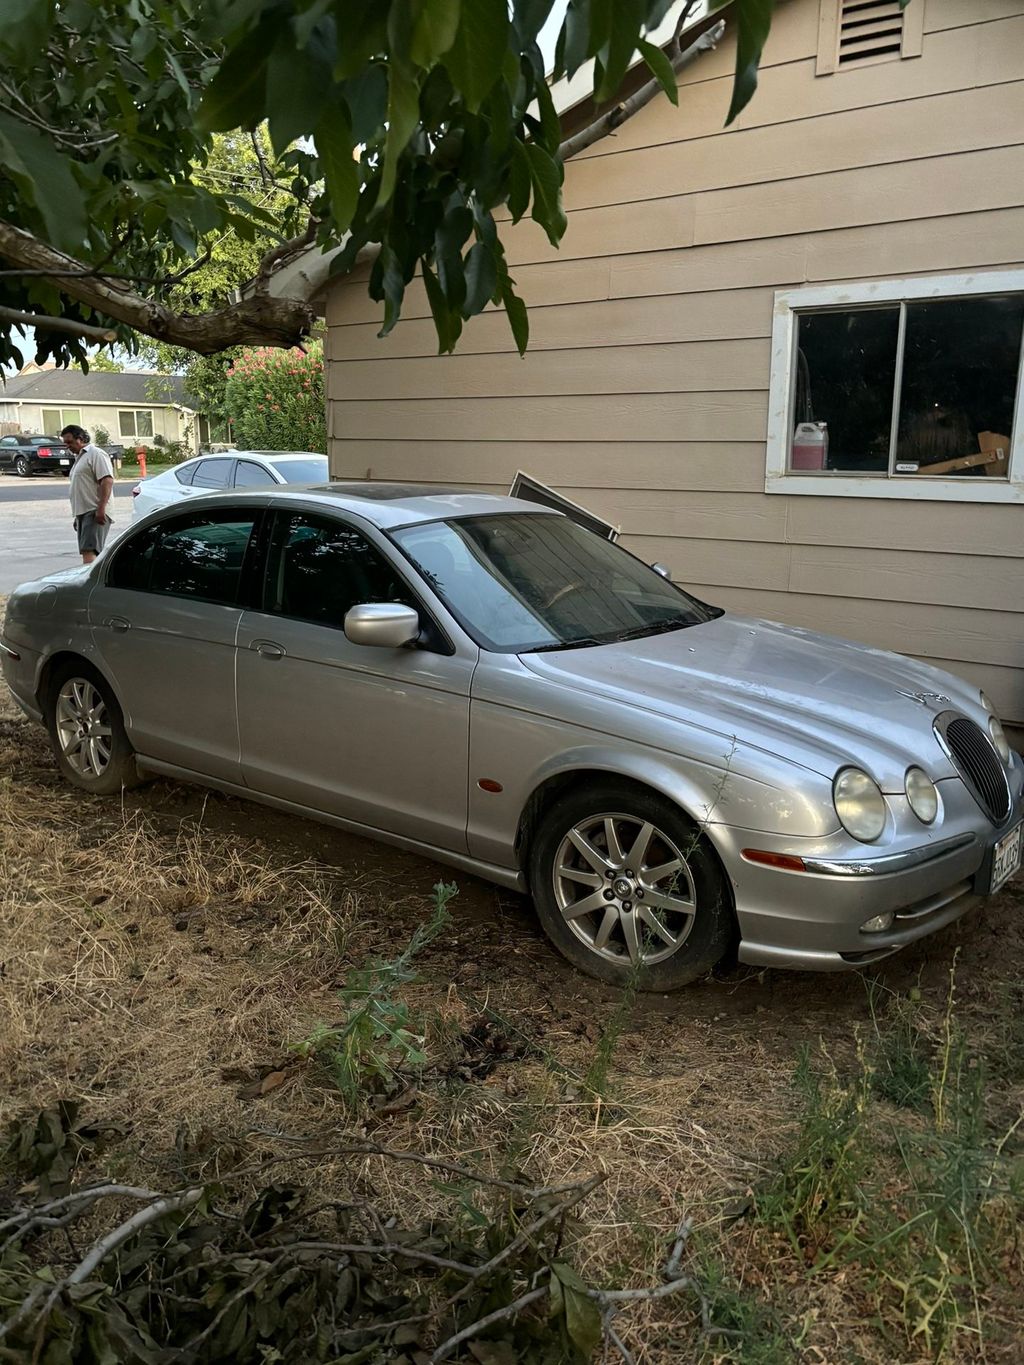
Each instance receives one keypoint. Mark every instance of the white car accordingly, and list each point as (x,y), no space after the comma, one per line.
(223,472)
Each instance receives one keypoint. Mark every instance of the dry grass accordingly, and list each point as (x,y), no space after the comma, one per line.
(151,966)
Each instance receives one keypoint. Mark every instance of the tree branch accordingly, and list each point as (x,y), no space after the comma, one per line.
(51,324)
(619,113)
(251,321)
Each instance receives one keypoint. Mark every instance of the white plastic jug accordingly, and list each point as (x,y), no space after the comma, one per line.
(810,445)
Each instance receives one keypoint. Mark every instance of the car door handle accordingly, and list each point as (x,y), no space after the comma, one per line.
(267,649)
(117,623)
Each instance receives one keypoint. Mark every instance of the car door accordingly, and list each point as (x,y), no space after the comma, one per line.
(377,736)
(164,624)
(8,451)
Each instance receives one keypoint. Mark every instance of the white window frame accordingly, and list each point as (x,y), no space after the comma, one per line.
(133,435)
(789,303)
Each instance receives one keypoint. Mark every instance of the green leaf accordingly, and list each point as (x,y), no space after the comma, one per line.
(392,287)
(582,1321)
(520,182)
(341,172)
(434,27)
(551,125)
(481,279)
(753,19)
(367,98)
(517,317)
(660,68)
(577,36)
(447,321)
(237,95)
(615,54)
(529,17)
(547,192)
(474,59)
(403,116)
(449,239)
(44,177)
(295,95)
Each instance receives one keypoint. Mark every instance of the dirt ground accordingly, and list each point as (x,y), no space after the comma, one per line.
(161,956)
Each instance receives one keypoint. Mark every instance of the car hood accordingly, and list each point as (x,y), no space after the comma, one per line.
(808,698)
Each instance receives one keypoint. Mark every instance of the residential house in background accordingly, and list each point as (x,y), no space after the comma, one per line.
(784,358)
(133,407)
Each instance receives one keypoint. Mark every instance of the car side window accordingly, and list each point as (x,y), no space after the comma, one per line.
(202,557)
(320,568)
(248,474)
(9,441)
(186,474)
(212,474)
(132,560)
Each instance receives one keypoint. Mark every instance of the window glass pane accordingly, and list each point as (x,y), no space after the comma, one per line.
(842,409)
(321,568)
(143,423)
(313,470)
(528,581)
(212,473)
(960,368)
(132,560)
(50,421)
(70,417)
(186,473)
(202,556)
(126,423)
(250,475)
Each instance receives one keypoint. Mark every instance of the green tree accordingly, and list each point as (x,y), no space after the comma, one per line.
(402,125)
(105,364)
(275,399)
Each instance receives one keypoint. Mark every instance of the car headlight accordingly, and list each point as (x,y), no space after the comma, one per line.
(859,804)
(995,730)
(921,793)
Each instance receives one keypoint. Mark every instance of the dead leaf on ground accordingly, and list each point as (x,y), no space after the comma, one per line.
(257,1089)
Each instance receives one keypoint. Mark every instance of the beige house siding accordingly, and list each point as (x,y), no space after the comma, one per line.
(644,393)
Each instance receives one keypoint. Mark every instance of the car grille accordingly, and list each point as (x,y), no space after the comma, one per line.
(977,762)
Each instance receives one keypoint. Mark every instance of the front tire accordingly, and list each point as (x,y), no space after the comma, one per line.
(628,889)
(87,732)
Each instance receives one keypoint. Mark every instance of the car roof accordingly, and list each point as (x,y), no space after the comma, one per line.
(385,505)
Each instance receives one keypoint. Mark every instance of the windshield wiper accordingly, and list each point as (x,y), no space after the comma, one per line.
(583,643)
(657,628)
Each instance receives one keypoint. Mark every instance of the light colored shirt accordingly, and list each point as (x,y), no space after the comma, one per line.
(91,465)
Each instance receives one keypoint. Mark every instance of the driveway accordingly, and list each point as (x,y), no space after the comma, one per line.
(36,534)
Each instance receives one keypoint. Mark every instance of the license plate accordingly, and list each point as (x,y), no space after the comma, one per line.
(1006,857)
(64,464)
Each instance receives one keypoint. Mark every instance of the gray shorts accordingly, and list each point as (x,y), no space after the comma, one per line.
(92,534)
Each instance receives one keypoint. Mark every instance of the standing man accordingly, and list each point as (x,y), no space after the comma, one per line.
(91,486)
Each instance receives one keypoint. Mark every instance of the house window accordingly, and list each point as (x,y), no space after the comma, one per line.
(905,388)
(856,33)
(54,420)
(135,421)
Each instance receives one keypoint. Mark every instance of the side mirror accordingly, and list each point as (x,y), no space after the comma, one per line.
(663,570)
(385,625)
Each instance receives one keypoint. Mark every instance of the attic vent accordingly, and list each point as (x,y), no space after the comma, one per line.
(869,29)
(854,33)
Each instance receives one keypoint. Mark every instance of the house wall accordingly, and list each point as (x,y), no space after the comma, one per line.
(644,392)
(167,421)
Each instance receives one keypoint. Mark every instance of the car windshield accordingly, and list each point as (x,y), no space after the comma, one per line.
(313,470)
(526,581)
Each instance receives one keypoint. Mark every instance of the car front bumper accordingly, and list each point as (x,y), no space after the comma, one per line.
(811,920)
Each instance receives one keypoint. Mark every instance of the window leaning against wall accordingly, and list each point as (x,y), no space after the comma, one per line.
(135,422)
(899,388)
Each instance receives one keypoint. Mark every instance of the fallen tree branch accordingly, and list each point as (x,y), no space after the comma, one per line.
(52,324)
(509,1310)
(619,113)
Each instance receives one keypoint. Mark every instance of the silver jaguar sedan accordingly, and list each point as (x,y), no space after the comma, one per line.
(489,683)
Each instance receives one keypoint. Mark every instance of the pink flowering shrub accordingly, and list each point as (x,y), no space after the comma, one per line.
(275,399)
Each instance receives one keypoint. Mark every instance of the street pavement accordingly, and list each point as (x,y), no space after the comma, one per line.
(36,533)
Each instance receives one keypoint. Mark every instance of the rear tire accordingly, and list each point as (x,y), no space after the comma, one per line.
(21,467)
(87,732)
(628,888)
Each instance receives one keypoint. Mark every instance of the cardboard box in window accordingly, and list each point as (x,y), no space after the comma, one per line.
(993,458)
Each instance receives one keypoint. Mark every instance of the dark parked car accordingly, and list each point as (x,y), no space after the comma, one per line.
(34,455)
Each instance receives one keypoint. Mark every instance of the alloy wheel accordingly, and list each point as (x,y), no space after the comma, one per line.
(624,889)
(84,731)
